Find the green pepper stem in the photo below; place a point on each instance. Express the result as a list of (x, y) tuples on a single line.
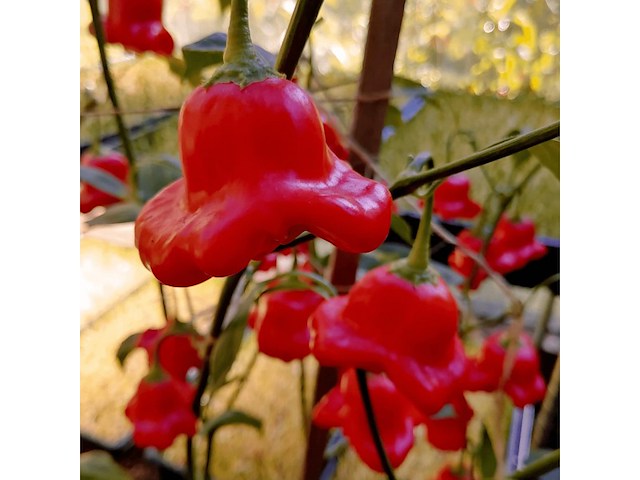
[(418, 258), (538, 467), (373, 426), (239, 44), (111, 89)]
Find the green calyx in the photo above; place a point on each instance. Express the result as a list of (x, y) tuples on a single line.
[(242, 64), (415, 275)]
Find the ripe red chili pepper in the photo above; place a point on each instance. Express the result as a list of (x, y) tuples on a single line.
[(334, 140), (161, 410), (390, 324), (450, 433), (114, 163), (462, 263), (280, 322), (174, 349), (451, 199), (257, 173), (342, 407), (137, 26), (450, 472), (524, 385)]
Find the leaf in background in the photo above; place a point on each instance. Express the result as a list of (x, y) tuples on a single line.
[(103, 181), (486, 456), (209, 50), (98, 465), (118, 213), (231, 417), (154, 175), (548, 154), (126, 347), (401, 228)]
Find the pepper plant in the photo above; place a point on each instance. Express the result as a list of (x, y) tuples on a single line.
[(267, 177)]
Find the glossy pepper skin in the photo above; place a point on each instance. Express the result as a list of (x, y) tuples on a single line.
[(113, 163), (342, 407), (176, 352), (137, 26), (160, 410), (524, 385), (257, 173), (450, 434), (334, 139), (280, 322), (388, 324), (451, 199)]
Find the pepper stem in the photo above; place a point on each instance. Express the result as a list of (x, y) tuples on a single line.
[(418, 258), (242, 64)]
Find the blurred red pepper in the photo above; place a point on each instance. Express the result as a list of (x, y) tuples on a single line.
[(524, 384), (342, 407), (450, 433), (161, 410), (257, 173), (280, 322), (333, 138), (451, 199), (137, 26), (389, 324), (174, 347), (462, 263), (114, 163), (450, 472)]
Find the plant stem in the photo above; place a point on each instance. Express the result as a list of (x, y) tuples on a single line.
[(371, 418), (302, 21), (543, 465), (238, 35), (122, 129), (163, 301), (419, 255), (503, 149), (303, 401)]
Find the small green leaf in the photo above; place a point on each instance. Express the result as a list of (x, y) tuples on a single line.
[(103, 181), (401, 228), (118, 213), (209, 51), (231, 417), (126, 347), (154, 175), (486, 456), (98, 465), (548, 154)]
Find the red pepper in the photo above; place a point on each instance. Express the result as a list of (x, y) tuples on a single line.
[(113, 163), (524, 385), (342, 407), (174, 347), (334, 140), (450, 433), (280, 322), (137, 25), (161, 410), (450, 472), (462, 263), (257, 173), (451, 199), (389, 324)]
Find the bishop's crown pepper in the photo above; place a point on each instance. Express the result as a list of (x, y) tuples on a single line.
[(137, 26), (114, 163), (257, 173)]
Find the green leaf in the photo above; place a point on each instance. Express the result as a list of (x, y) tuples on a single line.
[(126, 347), (548, 154), (539, 466), (401, 228), (156, 174), (230, 341), (98, 465), (393, 117), (118, 213), (103, 181), (231, 417), (486, 456), (209, 51)]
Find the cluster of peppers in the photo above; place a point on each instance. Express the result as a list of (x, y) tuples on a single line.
[(257, 173)]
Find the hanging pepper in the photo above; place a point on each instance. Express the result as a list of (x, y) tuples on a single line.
[(280, 322), (450, 433), (451, 199), (342, 407), (524, 385), (334, 140), (114, 163), (390, 324), (161, 410), (137, 26), (462, 263), (257, 173), (175, 348)]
